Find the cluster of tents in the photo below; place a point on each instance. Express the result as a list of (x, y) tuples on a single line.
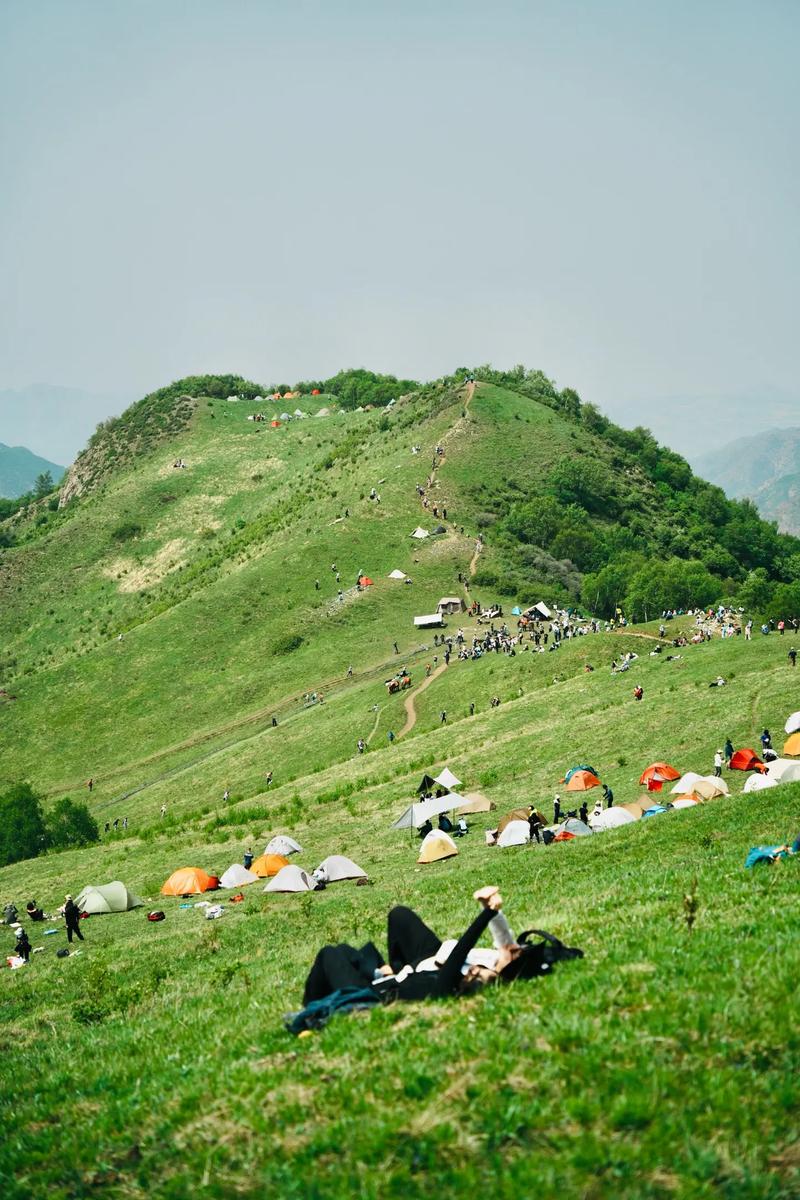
[(273, 865), (438, 844)]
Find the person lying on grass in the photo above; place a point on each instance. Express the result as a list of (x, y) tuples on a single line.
[(422, 967)]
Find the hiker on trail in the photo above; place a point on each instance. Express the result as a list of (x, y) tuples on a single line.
[(248, 859), (766, 740), (427, 669), (792, 656), (728, 750), (124, 822), (362, 745), (396, 648), (718, 763), (472, 708), (268, 778), (107, 827), (443, 717), (608, 796), (163, 810), (422, 967), (556, 809), (22, 947), (333, 567), (350, 671), (274, 722), (72, 919), (116, 824), (90, 784), (390, 735)]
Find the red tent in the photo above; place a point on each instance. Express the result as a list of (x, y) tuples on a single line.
[(365, 581), (274, 424), (564, 835), (658, 772), (746, 760), (316, 392)]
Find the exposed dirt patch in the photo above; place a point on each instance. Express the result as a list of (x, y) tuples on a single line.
[(135, 577)]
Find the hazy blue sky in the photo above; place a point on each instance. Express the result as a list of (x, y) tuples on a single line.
[(608, 191)]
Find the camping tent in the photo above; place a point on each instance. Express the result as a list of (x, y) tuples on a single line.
[(658, 772), (436, 845), (424, 810), (365, 581), (336, 867), (784, 770), (269, 864), (515, 833), (684, 802), (792, 723), (282, 844), (634, 807), (290, 879), (580, 767), (611, 818), (582, 781), (654, 811), (746, 760), (575, 827), (420, 533), (709, 787), (186, 881), (447, 779), (237, 876), (450, 604), (685, 784), (539, 610), (516, 611), (107, 898), (397, 574), (792, 744), (757, 783), (439, 529), (475, 802)]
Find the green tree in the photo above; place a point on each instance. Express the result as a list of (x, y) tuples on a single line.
[(756, 591), (581, 481), (23, 833), (70, 823), (43, 484)]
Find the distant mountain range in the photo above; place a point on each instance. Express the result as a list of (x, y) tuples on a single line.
[(54, 421), (764, 468), (19, 468)]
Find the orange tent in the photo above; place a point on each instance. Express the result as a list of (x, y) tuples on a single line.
[(658, 772), (365, 581), (188, 880), (792, 744), (564, 836), (274, 424), (746, 760), (316, 392), (582, 781), (268, 864)]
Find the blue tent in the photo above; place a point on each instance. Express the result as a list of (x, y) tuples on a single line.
[(516, 611)]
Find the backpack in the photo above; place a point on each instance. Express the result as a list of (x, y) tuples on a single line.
[(317, 1014), (155, 916)]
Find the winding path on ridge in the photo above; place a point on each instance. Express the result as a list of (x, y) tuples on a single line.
[(408, 703)]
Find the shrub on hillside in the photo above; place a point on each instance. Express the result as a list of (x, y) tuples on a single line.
[(70, 823), (126, 531), (23, 833), (288, 643)]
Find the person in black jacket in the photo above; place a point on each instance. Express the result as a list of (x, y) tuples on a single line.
[(72, 919), (23, 946)]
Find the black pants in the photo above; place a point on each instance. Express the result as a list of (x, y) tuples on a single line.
[(409, 938), (74, 929)]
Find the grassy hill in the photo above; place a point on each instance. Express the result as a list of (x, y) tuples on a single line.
[(661, 1065)]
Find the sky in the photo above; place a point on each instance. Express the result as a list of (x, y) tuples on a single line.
[(605, 190)]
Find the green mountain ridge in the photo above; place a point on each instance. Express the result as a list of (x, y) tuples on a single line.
[(761, 468), (19, 469)]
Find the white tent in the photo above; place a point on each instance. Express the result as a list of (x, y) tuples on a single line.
[(684, 784), (237, 876), (397, 574), (420, 533), (423, 810), (336, 867), (757, 782), (447, 779), (784, 770), (516, 833), (282, 844), (684, 802), (429, 621), (792, 723), (290, 879), (611, 818), (542, 609)]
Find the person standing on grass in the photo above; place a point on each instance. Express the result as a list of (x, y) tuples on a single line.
[(268, 778), (728, 750), (163, 810), (556, 809), (584, 813), (443, 717), (248, 859), (608, 796), (792, 656), (90, 784), (72, 919), (472, 708), (718, 764)]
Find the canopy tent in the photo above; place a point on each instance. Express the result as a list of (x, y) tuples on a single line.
[(237, 876), (658, 772), (684, 802), (515, 833), (784, 770), (428, 621), (107, 898), (397, 574), (268, 864), (424, 810), (792, 723), (420, 533), (474, 802), (576, 828), (611, 818), (685, 784), (283, 844), (435, 846), (187, 881), (709, 787), (792, 744), (757, 783), (582, 781), (290, 879), (336, 867), (746, 760), (580, 767), (447, 779)]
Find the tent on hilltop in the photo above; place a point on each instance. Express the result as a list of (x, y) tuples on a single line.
[(237, 876), (574, 770), (187, 881), (685, 802), (268, 864), (516, 814), (757, 783), (709, 787), (792, 744), (435, 846), (336, 867), (575, 827), (784, 770), (107, 898), (685, 784), (290, 879), (283, 844), (420, 533)]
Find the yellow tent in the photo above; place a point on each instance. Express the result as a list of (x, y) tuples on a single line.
[(436, 845), (792, 744), (475, 802)]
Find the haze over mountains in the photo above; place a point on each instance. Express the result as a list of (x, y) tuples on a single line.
[(19, 469), (764, 468), (53, 421)]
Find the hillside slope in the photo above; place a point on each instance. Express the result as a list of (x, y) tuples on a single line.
[(19, 468), (763, 469)]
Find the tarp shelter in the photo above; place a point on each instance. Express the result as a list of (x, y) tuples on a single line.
[(186, 881), (516, 833), (429, 621), (283, 844), (709, 787), (336, 867), (611, 818), (269, 864), (746, 760), (290, 879), (447, 779), (426, 785), (792, 744), (685, 784), (396, 574), (425, 810), (451, 605), (420, 533), (237, 876), (582, 781), (576, 828), (475, 802), (756, 783), (784, 770), (659, 772), (792, 723), (107, 898), (435, 846)]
